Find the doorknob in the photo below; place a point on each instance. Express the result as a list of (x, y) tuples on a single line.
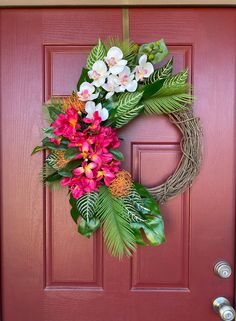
[(223, 307)]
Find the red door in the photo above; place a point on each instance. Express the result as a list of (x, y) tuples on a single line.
[(50, 273)]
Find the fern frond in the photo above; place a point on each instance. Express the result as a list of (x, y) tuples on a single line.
[(117, 232), (169, 100)]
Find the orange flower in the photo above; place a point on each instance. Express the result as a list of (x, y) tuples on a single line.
[(73, 101), (120, 186)]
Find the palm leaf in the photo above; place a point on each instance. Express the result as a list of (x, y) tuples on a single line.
[(168, 100), (117, 232), (86, 205)]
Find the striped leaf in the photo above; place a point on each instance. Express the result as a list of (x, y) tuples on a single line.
[(176, 80), (130, 210), (86, 205), (128, 116), (161, 73), (97, 53), (127, 108)]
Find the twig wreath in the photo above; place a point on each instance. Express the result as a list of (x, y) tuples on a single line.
[(118, 83)]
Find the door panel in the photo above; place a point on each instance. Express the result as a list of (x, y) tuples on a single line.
[(50, 273)]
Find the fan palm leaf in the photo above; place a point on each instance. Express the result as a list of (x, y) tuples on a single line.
[(118, 234)]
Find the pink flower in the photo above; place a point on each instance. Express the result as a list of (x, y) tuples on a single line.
[(66, 124)]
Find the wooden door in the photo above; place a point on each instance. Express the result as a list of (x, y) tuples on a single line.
[(49, 272)]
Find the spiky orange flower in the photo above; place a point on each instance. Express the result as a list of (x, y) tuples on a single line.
[(60, 160), (120, 186), (73, 101)]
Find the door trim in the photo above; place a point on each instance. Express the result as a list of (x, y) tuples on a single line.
[(115, 3)]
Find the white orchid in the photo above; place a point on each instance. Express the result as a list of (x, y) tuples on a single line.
[(144, 69), (86, 92), (112, 85), (98, 73), (91, 108), (127, 81), (114, 60)]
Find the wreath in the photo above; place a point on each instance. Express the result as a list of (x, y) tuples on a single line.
[(82, 147)]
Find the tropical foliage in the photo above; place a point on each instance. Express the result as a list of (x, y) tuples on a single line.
[(118, 83)]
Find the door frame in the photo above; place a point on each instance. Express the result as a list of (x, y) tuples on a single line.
[(116, 3), (125, 4)]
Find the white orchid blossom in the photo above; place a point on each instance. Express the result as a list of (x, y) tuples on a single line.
[(86, 92), (144, 69), (98, 73), (111, 86), (91, 108), (114, 60), (127, 81)]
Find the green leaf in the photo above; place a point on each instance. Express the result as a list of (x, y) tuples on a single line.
[(128, 116), (48, 132), (53, 112), (130, 210), (148, 200), (86, 205), (151, 89), (153, 228), (97, 53), (83, 77), (74, 212), (117, 232), (53, 177), (67, 170), (52, 146), (176, 80), (52, 108), (71, 152), (138, 236), (161, 73), (127, 108), (156, 51), (88, 228), (37, 149), (127, 101), (168, 100), (117, 154)]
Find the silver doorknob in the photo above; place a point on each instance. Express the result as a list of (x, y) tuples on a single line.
[(223, 307), (223, 269)]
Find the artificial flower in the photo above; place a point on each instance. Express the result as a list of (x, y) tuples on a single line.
[(114, 60), (86, 92), (91, 108), (127, 81), (98, 73), (111, 86), (144, 69), (66, 124)]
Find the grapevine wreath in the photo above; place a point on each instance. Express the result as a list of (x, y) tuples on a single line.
[(118, 83)]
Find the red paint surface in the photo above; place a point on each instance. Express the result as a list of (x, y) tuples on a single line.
[(49, 272)]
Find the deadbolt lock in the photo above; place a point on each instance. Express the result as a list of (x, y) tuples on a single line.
[(223, 269)]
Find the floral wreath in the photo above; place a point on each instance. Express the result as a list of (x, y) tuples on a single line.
[(82, 146)]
